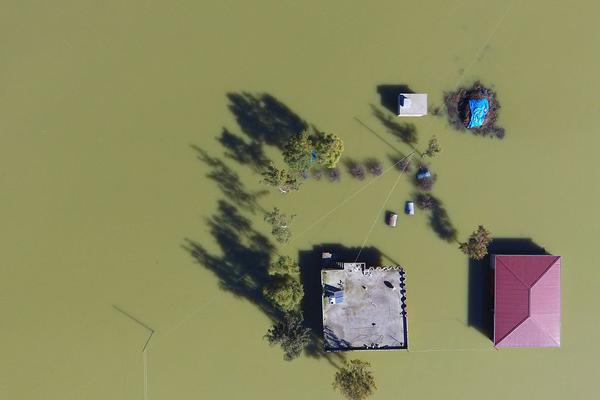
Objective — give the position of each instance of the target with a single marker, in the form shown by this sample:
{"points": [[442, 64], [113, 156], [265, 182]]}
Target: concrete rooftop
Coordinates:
{"points": [[371, 315], [412, 104]]}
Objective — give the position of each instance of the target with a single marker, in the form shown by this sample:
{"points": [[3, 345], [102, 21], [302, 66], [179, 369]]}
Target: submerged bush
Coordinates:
{"points": [[358, 171], [375, 167], [334, 175], [459, 113]]}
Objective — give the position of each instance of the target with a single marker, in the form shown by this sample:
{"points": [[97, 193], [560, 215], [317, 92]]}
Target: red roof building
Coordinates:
{"points": [[526, 300]]}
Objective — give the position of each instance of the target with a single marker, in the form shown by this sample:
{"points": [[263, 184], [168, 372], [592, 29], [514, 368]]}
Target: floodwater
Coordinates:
{"points": [[101, 103]]}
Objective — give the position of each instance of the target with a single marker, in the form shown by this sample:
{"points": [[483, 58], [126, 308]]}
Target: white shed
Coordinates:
{"points": [[412, 104]]}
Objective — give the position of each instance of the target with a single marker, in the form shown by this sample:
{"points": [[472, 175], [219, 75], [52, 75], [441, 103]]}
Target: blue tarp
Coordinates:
{"points": [[479, 109]]}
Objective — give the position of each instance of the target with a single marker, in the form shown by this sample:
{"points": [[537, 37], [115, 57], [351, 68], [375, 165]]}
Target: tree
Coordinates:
{"points": [[284, 266], [355, 380], [291, 334], [375, 167], [433, 147], [425, 201], [280, 178], [280, 224], [357, 171], [334, 175], [297, 153], [476, 246], [329, 148], [285, 292]]}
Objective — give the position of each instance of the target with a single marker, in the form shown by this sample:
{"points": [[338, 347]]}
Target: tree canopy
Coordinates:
{"points": [[284, 266], [476, 247], [291, 334], [433, 147], [280, 224], [297, 152], [280, 178], [355, 380], [329, 148], [285, 292]]}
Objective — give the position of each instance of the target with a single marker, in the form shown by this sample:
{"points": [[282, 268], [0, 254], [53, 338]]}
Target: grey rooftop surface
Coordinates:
{"points": [[372, 315], [412, 104]]}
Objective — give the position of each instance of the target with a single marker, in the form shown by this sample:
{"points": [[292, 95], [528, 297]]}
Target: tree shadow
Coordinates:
{"points": [[439, 220], [243, 262], [311, 263], [403, 131], [246, 153], [388, 95], [229, 182], [241, 267], [480, 276], [264, 118], [382, 139]]}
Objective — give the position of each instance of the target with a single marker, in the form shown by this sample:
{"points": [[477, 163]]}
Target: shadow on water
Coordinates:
{"points": [[378, 136], [403, 131], [241, 267], [310, 273], [242, 263], [264, 118], [480, 299], [246, 153], [229, 182], [388, 95]]}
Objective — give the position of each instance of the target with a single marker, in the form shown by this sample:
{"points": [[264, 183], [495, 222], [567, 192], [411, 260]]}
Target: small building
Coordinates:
{"points": [[526, 300], [364, 307], [412, 104]]}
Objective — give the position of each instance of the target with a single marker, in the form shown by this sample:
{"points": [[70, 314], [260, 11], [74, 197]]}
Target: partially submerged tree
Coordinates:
{"points": [[280, 178], [329, 148], [357, 171], [334, 175], [477, 245], [284, 266], [355, 380], [291, 334], [285, 292], [375, 167], [433, 147], [298, 152], [425, 201], [280, 224]]}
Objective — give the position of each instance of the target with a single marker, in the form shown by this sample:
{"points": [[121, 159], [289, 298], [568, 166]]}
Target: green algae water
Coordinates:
{"points": [[102, 103]]}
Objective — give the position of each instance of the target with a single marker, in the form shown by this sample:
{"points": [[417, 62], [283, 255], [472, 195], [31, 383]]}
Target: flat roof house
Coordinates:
{"points": [[526, 300], [363, 307]]}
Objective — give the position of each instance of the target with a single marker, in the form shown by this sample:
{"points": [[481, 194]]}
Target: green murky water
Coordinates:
{"points": [[100, 103]]}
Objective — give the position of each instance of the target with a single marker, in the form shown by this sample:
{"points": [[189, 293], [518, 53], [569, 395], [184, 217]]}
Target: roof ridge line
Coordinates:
{"points": [[546, 270], [515, 327], [543, 330], [513, 274]]}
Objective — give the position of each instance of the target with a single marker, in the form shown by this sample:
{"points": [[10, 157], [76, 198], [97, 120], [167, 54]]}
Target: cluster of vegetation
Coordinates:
{"points": [[280, 224], [285, 292], [459, 113], [299, 153], [285, 289], [476, 247], [355, 381], [291, 334], [433, 147]]}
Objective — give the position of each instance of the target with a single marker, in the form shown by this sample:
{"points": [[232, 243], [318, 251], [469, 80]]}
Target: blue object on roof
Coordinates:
{"points": [[479, 109], [336, 297], [423, 173]]}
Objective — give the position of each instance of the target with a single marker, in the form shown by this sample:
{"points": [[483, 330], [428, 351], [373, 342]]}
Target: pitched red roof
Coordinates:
{"points": [[527, 301]]}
